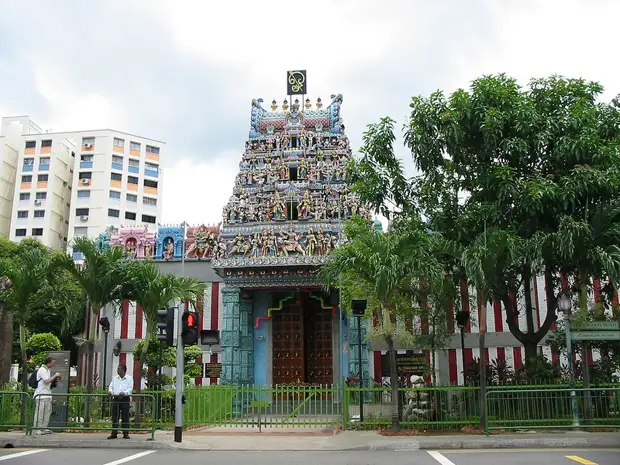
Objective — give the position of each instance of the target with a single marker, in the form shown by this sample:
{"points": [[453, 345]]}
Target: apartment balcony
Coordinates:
{"points": [[86, 164]]}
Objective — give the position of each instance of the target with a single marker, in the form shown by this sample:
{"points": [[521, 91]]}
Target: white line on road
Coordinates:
{"points": [[21, 454], [440, 458], [131, 457]]}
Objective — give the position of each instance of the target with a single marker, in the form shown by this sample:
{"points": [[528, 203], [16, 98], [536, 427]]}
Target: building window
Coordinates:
{"points": [[46, 143], [83, 194], [31, 144], [86, 158], [134, 166], [27, 178], [149, 201], [132, 198], [44, 163], [80, 231], [28, 161], [117, 159], [39, 213], [132, 180], [151, 166], [42, 177], [81, 212], [149, 183], [148, 219], [22, 214], [88, 141], [24, 196], [85, 175], [119, 142], [134, 145], [20, 232], [41, 195], [130, 216], [115, 195], [151, 149], [116, 177], [114, 213], [37, 231]]}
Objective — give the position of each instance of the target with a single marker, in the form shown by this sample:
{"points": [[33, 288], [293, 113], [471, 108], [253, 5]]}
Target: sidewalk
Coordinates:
{"points": [[346, 440]]}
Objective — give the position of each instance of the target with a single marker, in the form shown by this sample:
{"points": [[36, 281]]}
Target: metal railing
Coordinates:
{"points": [[11, 410], [67, 412], [424, 408], [263, 406], [549, 407]]}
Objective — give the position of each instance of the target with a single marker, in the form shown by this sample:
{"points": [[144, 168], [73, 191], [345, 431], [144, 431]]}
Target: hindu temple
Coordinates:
{"points": [[283, 219]]}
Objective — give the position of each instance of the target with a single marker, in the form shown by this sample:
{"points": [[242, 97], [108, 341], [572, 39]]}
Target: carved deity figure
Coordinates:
{"points": [[303, 209], [290, 242], [279, 208], [147, 250], [130, 248], [311, 242], [168, 249], [303, 169]]}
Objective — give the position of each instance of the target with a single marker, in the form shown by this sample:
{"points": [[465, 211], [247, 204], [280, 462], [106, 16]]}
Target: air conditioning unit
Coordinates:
{"points": [[85, 181], [88, 146], [84, 218], [37, 202]]}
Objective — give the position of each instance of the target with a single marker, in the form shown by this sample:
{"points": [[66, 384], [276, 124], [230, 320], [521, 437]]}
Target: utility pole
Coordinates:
{"points": [[180, 381]]}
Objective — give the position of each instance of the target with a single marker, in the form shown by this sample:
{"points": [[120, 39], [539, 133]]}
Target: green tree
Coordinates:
{"points": [[160, 355], [100, 276], [153, 291], [528, 163], [39, 345], [8, 249], [384, 266]]}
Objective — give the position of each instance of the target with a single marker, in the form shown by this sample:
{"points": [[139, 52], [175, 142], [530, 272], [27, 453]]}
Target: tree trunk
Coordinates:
{"points": [[92, 330], [6, 344], [394, 384], [22, 348], [141, 362]]}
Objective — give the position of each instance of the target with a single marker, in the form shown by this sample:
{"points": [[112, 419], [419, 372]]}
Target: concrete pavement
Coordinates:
{"points": [[344, 441], [165, 457]]}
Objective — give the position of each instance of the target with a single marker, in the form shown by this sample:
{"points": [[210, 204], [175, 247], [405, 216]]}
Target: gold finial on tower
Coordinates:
{"points": [[274, 105], [285, 105], [308, 104], [319, 103]]}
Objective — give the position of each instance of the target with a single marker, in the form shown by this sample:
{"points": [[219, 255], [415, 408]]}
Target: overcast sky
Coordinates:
{"points": [[186, 71]]}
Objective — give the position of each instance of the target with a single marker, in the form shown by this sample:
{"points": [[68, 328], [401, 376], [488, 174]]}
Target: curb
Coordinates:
{"points": [[51, 444]]}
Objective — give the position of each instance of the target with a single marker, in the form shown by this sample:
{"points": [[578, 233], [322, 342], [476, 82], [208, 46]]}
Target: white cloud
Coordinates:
{"points": [[186, 71]]}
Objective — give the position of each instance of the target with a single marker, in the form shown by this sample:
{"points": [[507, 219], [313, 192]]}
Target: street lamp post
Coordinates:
{"points": [[105, 326], [564, 305]]}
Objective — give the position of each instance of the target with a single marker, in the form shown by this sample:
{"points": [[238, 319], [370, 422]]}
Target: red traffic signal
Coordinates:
{"points": [[189, 332]]}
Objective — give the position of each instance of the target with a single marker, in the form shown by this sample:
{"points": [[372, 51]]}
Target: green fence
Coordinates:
{"points": [[11, 410], [552, 407], [423, 408], [263, 406], [70, 412]]}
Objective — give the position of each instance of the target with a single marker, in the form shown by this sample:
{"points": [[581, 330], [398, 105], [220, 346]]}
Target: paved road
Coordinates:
{"points": [[168, 457]]}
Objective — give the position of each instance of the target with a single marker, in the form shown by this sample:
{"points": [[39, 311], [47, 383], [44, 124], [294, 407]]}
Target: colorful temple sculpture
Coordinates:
{"points": [[281, 223]]}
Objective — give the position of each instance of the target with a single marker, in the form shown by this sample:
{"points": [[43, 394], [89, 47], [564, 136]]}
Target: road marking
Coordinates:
{"points": [[581, 460], [440, 458], [21, 454], [131, 457]]}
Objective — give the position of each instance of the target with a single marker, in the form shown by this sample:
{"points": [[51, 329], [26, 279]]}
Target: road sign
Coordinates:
{"points": [[598, 326], [595, 335]]}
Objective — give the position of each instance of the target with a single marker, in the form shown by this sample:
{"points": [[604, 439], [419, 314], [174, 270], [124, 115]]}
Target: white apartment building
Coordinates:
{"points": [[76, 183], [117, 181]]}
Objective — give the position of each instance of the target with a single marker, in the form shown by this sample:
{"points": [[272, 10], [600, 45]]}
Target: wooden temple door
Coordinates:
{"points": [[288, 345], [318, 338]]}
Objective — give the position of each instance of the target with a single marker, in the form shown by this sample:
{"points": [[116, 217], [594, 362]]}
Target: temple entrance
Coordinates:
{"points": [[302, 343]]}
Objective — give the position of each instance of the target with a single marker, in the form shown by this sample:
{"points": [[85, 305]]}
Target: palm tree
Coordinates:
{"points": [[101, 276], [386, 266], [23, 278], [153, 291]]}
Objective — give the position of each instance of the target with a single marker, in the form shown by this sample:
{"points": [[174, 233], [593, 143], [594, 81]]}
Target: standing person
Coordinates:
{"points": [[43, 397], [120, 389]]}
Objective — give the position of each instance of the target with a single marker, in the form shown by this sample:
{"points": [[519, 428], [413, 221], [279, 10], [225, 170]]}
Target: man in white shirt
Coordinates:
{"points": [[120, 390], [43, 398]]}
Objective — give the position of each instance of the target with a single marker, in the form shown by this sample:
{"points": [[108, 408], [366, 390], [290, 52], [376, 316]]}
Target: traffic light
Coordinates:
{"points": [[189, 334], [165, 326]]}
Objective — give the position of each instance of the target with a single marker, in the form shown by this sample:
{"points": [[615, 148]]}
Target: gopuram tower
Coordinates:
{"points": [[281, 223]]}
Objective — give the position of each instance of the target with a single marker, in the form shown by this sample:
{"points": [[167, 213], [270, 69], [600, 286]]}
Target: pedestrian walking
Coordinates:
{"points": [[43, 396], [120, 391]]}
